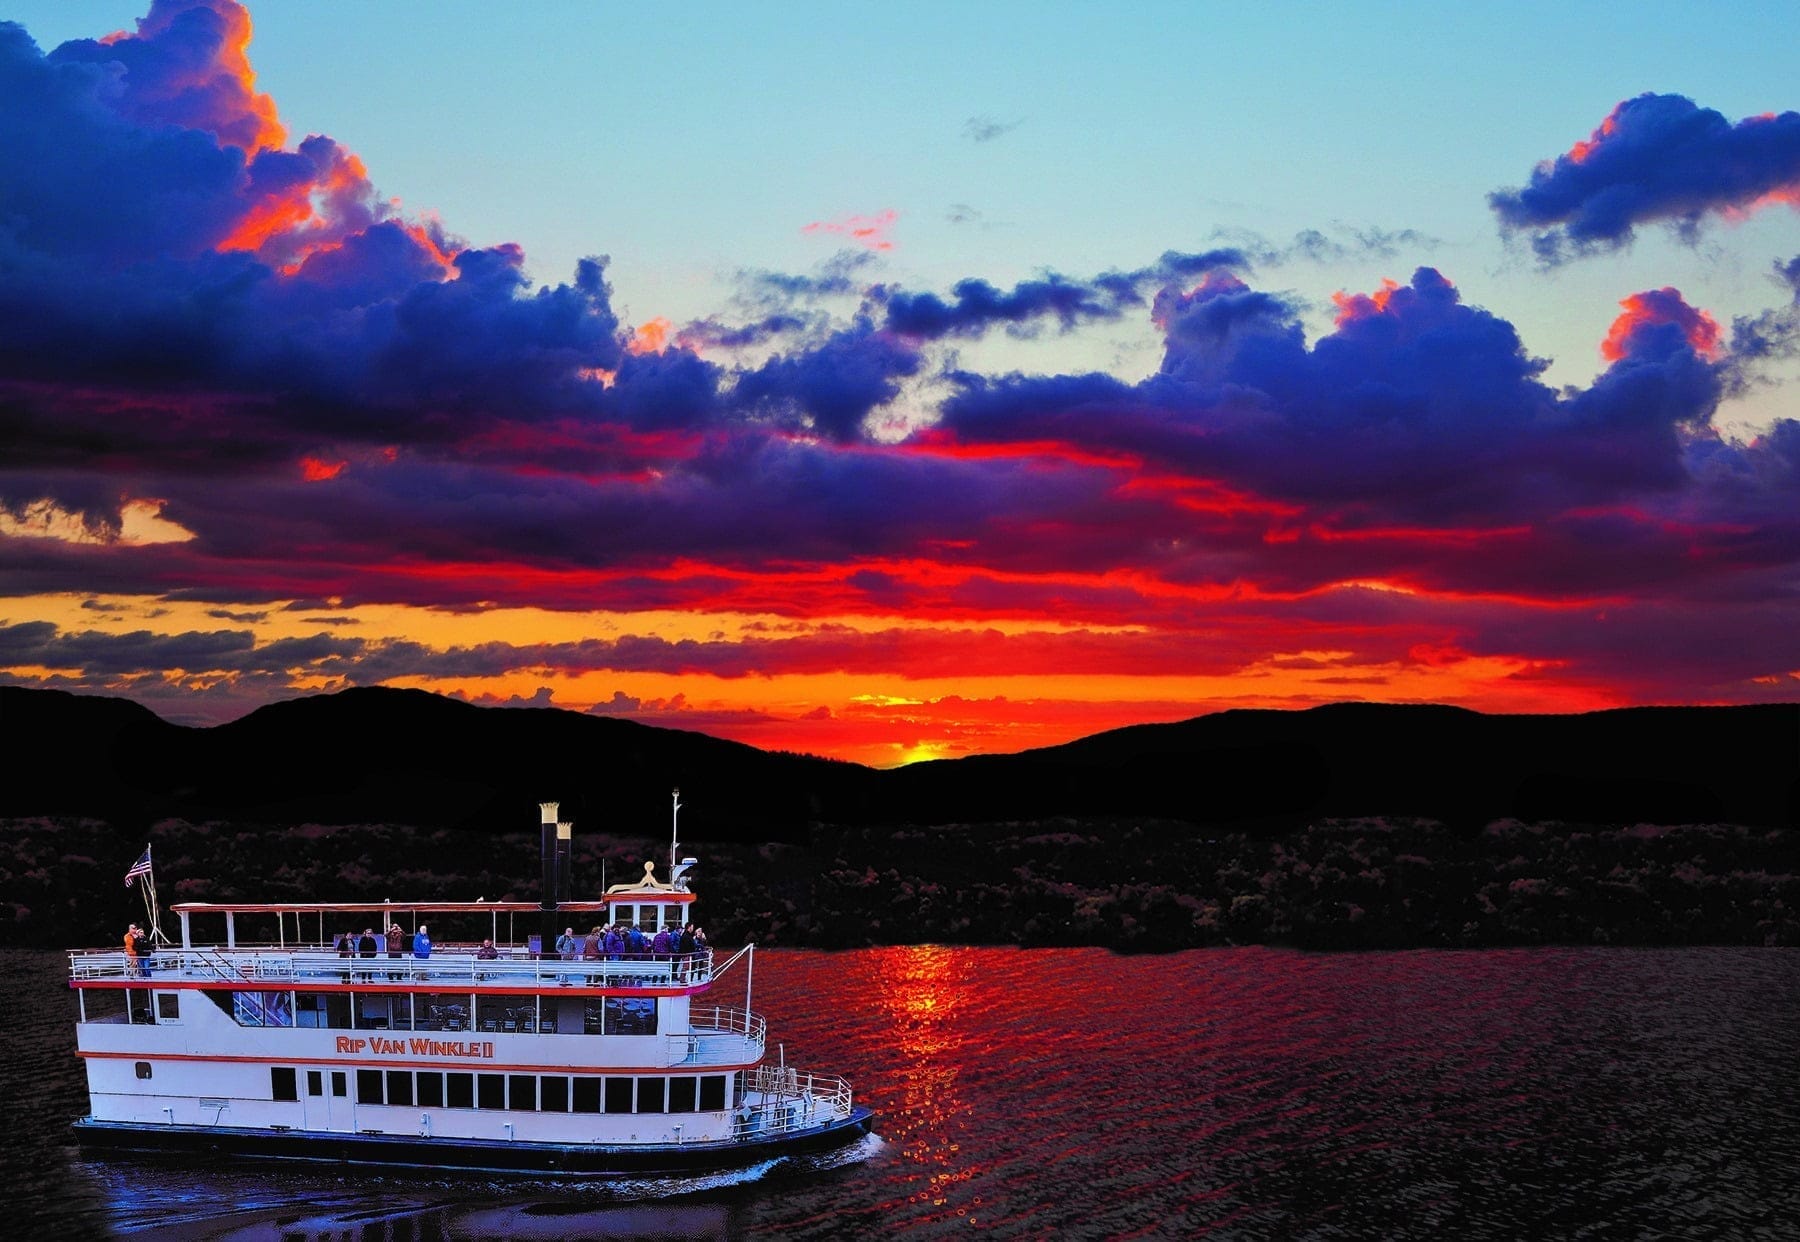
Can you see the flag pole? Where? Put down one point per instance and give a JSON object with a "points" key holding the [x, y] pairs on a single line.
{"points": [[152, 909]]}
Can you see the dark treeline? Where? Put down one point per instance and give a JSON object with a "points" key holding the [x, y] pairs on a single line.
{"points": [[1133, 885]]}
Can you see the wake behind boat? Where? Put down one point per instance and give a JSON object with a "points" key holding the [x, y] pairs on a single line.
{"points": [[274, 1040]]}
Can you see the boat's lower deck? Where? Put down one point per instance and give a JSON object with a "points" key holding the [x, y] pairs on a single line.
{"points": [[485, 1155]]}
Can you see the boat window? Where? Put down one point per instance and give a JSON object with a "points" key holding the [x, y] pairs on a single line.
{"points": [[381, 1011], [681, 1095], [490, 1091], [315, 1082], [338, 1083], [650, 1095], [431, 1089], [328, 1009], [103, 1005], [587, 1095], [631, 1015], [672, 916], [459, 1091], [368, 1086], [521, 1091], [712, 1093], [282, 1083], [443, 1012], [554, 1019], [168, 1006], [255, 1008], [618, 1095], [399, 1086], [553, 1092]]}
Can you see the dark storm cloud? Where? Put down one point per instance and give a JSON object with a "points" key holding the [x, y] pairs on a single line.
{"points": [[1416, 406], [1655, 158], [975, 305], [834, 386]]}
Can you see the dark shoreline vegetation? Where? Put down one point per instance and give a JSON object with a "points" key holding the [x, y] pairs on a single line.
{"points": [[1349, 825], [1129, 884]]}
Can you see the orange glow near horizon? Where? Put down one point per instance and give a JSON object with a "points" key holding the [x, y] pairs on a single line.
{"points": [[881, 719]]}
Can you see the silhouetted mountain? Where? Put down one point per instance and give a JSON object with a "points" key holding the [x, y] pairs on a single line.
{"points": [[403, 756]]}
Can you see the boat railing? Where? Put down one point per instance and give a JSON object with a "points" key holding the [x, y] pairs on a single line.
{"points": [[782, 1099], [721, 1036], [301, 965]]}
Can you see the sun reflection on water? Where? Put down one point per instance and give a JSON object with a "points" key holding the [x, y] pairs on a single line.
{"points": [[922, 990]]}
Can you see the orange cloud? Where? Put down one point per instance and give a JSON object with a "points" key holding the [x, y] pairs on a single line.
{"points": [[1363, 305], [650, 338], [1663, 305]]}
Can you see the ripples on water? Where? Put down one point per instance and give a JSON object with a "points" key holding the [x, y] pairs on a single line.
{"points": [[1239, 1093]]}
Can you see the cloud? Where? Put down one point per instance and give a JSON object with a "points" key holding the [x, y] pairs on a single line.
{"points": [[975, 305], [1654, 158], [869, 232], [344, 404], [985, 128], [1316, 246], [1417, 407], [833, 388]]}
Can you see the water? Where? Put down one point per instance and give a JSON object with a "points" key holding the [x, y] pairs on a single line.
{"points": [[1583, 1093]]}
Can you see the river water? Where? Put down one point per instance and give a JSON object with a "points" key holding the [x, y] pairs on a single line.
{"points": [[1254, 1093]]}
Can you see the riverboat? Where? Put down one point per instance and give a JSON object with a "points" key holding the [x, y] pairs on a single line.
{"points": [[269, 1042]]}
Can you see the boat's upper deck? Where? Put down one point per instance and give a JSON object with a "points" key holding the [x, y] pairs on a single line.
{"points": [[319, 967], [275, 945]]}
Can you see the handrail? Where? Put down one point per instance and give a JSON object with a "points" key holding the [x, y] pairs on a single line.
{"points": [[792, 1100], [213, 963]]}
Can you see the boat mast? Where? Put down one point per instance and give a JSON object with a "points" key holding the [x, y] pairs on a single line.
{"points": [[674, 818]]}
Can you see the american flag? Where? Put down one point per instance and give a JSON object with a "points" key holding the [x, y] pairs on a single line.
{"points": [[140, 867]]}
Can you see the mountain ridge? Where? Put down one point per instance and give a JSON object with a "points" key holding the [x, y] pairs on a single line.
{"points": [[380, 754]]}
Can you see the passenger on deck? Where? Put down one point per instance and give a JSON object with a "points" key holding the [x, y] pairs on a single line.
{"points": [[568, 945], [635, 942], [685, 944], [396, 945], [134, 940], [590, 949], [660, 945], [487, 952], [422, 943], [615, 943]]}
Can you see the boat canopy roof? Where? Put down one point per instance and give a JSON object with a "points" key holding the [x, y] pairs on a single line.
{"points": [[612, 898]]}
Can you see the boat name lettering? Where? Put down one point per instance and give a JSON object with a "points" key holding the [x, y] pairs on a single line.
{"points": [[382, 1046]]}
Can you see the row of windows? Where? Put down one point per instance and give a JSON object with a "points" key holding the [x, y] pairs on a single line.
{"points": [[550, 1093], [548, 1013]]}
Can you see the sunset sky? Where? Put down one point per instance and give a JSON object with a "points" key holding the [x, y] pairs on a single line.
{"points": [[900, 382]]}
